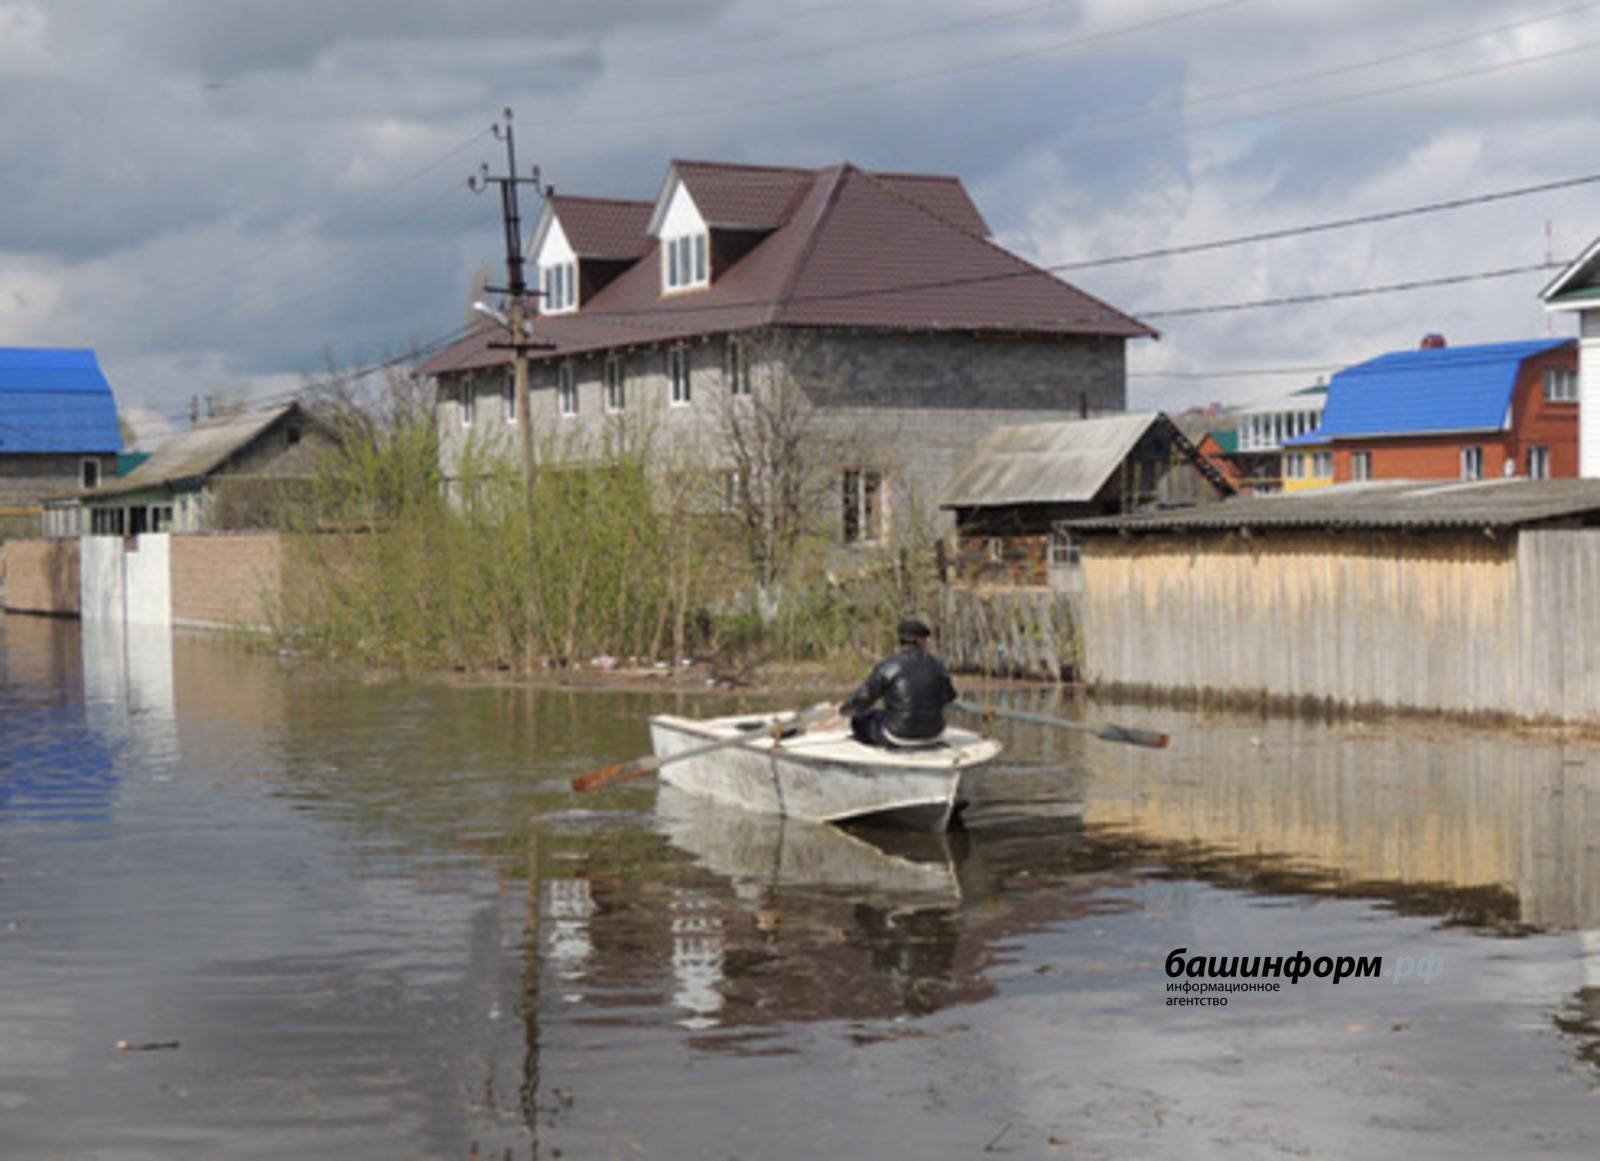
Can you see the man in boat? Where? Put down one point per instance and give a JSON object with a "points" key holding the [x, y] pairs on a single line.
{"points": [[914, 686]]}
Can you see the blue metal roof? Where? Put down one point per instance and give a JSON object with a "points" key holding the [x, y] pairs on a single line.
{"points": [[1443, 389], [55, 401]]}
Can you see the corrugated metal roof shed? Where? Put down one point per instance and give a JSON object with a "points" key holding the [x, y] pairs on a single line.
{"points": [[1410, 505], [1444, 389], [196, 453], [1046, 463], [56, 402]]}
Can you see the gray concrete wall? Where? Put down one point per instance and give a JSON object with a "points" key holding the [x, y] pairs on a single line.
{"points": [[911, 406]]}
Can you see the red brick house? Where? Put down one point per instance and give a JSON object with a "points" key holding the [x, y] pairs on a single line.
{"points": [[1441, 412]]}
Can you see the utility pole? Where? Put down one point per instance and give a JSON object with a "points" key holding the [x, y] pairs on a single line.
{"points": [[516, 288]]}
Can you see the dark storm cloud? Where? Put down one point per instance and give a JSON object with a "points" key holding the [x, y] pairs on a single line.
{"points": [[227, 40], [216, 192]]}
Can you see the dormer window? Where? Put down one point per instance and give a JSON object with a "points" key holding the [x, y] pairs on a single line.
{"points": [[560, 285], [687, 261]]}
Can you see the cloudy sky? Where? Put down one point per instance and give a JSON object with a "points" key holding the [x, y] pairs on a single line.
{"points": [[222, 196]]}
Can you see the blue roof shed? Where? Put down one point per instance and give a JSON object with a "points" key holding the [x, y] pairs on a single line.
{"points": [[1426, 391], [55, 402]]}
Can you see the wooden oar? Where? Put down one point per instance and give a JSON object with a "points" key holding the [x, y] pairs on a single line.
{"points": [[639, 767], [1110, 733]]}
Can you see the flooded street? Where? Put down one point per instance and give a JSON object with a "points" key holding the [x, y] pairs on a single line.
{"points": [[347, 918]]}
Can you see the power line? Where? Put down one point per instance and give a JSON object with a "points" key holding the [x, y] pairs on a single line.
{"points": [[1361, 292], [1335, 224]]}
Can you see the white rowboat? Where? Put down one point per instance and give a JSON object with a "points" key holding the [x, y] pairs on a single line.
{"points": [[821, 775]]}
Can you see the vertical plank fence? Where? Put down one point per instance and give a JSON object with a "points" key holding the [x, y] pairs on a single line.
{"points": [[1029, 633]]}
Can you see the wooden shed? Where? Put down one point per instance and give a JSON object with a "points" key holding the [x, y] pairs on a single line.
{"points": [[1012, 494]]}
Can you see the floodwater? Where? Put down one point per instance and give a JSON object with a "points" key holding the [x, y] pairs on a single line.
{"points": [[350, 918]]}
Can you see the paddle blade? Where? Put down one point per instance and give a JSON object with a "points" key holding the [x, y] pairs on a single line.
{"points": [[584, 783], [1153, 739]]}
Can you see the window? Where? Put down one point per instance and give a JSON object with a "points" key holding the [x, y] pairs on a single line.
{"points": [[560, 287], [89, 473], [1294, 466], [1538, 461], [1322, 465], [738, 369], [1361, 465], [678, 373], [1064, 551], [863, 506], [468, 397], [687, 262], [616, 383], [1472, 463], [1560, 386], [567, 389], [733, 491]]}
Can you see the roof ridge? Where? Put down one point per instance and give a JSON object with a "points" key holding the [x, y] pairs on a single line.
{"points": [[835, 176], [1009, 255]]}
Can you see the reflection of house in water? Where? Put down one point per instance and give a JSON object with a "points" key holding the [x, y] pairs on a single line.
{"points": [[764, 922]]}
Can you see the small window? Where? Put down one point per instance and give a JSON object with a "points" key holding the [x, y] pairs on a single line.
{"points": [[1472, 463], [738, 370], [1361, 465], [560, 281], [1560, 386], [863, 507], [567, 389], [616, 384], [687, 260], [1065, 552], [1294, 466], [678, 373], [733, 492], [1538, 463], [89, 473], [469, 403], [1322, 465]]}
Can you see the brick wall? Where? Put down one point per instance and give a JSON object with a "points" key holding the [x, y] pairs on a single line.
{"points": [[223, 579], [41, 576]]}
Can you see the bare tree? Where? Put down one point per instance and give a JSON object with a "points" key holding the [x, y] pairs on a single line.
{"points": [[780, 451]]}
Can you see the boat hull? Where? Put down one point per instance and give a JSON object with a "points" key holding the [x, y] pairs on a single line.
{"points": [[819, 775]]}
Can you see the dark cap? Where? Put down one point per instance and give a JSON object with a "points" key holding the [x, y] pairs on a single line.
{"points": [[914, 630]]}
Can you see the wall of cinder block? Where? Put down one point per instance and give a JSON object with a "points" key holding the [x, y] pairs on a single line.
{"points": [[225, 580], [217, 580], [41, 576]]}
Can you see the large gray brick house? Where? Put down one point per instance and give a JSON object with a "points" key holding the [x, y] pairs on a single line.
{"points": [[881, 297]]}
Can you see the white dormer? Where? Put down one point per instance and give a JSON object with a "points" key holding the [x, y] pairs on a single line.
{"points": [[685, 241], [557, 264]]}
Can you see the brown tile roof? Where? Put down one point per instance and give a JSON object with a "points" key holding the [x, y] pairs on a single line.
{"points": [[602, 227], [847, 248], [740, 197]]}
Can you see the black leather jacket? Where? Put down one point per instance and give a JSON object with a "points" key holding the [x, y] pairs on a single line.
{"points": [[915, 687]]}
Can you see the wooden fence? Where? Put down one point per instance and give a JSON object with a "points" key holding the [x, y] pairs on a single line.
{"points": [[1452, 623], [1031, 633]]}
